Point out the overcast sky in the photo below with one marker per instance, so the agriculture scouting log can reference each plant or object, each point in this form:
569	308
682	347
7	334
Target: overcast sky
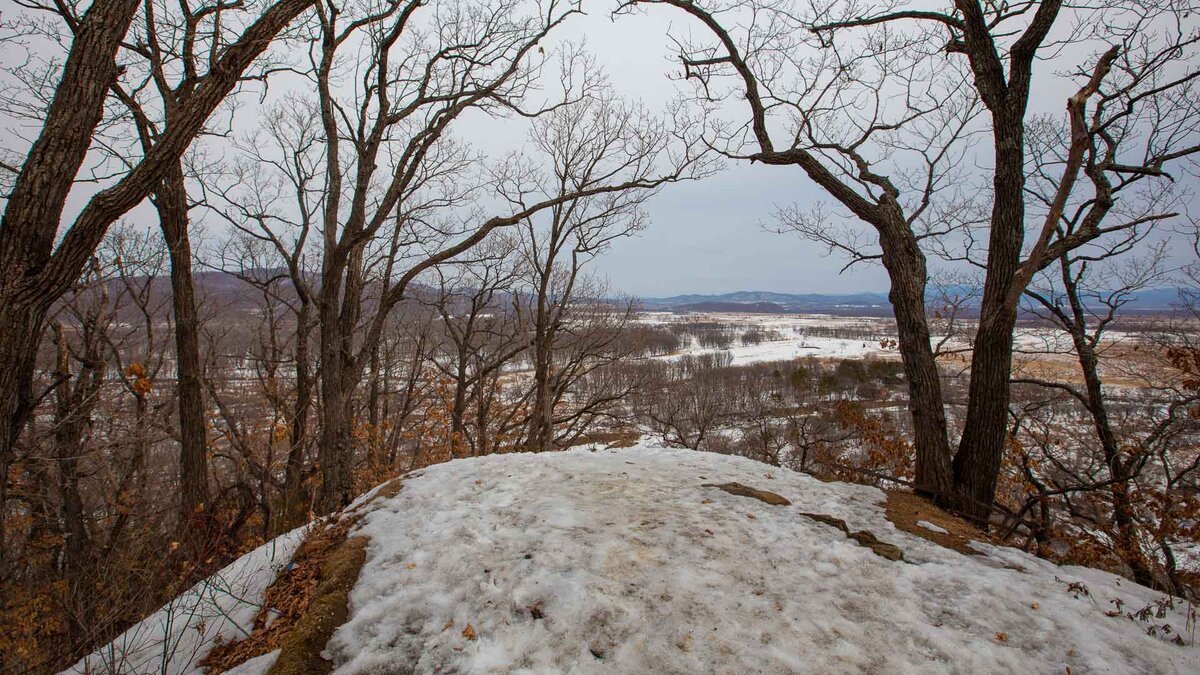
708	236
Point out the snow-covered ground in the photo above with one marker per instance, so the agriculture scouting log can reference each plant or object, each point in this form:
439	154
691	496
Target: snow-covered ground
622	561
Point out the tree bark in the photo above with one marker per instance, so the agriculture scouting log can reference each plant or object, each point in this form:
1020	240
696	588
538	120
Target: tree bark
33	274
981	449
905	264
171	202
35	205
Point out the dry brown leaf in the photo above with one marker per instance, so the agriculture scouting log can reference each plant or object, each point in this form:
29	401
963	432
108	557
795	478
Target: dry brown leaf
469	632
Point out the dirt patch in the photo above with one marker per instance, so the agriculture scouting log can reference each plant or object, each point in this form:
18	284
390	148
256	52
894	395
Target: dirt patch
906	509
305	603
863	537
301	648
625	438
386	491
747	491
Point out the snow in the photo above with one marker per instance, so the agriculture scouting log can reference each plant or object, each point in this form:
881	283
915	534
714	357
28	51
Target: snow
633	566
173	640
622	561
931	527
795	344
255	666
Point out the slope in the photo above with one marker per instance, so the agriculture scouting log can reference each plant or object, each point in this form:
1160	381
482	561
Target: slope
615	561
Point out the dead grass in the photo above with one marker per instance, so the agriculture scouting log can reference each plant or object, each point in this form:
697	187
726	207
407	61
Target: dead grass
305	604
904	509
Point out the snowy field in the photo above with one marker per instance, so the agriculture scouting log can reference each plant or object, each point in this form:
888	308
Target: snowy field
796	344
621	561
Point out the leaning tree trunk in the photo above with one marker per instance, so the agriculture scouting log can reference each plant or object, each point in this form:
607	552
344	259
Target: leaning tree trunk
171	202
1126	541
905	264
34	211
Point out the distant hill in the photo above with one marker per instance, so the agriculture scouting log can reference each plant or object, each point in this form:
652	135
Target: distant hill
860	304
773	303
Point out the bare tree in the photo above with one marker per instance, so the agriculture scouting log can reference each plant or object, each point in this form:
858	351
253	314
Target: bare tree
570	326
385	186
33	270
811	67
482	331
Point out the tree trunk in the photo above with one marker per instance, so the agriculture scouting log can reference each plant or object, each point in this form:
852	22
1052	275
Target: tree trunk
541	420
905	264
170	200
293	490
336	409
977	462
70	416
1126	542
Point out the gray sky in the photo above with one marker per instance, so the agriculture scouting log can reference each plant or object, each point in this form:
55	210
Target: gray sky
707	236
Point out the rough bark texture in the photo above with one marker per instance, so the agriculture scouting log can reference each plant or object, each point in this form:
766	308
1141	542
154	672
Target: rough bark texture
905	264
1006	96
171	203
33	274
36	203
985	432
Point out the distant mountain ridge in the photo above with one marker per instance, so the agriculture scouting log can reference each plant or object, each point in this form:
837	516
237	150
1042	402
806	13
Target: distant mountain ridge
864	303
771	302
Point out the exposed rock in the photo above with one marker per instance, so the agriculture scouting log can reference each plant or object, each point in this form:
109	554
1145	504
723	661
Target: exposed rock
881	548
863	537
747	491
828	520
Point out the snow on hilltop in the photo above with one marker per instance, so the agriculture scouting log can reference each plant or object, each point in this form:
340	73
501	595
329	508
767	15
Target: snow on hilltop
621	561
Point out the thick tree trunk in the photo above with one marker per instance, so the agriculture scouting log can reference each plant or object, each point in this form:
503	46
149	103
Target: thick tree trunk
171	202
34	209
337	394
905	264
977	462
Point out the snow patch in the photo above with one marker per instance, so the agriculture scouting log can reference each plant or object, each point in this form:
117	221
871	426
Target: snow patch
931	527
174	640
619	561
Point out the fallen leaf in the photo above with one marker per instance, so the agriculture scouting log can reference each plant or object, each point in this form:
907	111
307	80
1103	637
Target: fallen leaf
1001	637
469	632
705	501
1033	606
448	625
411	566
